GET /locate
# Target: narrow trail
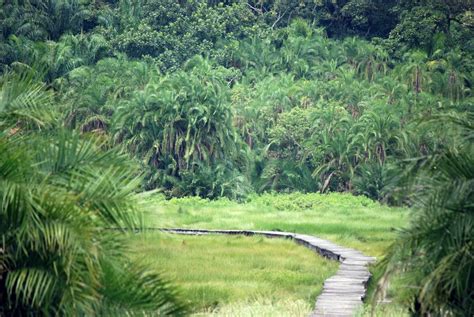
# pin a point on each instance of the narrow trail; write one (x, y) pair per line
(343, 292)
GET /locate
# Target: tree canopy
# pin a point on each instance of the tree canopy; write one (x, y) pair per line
(102, 99)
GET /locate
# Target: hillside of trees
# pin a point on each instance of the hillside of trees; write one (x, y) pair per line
(103, 100)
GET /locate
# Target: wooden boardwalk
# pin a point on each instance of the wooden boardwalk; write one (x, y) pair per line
(342, 293)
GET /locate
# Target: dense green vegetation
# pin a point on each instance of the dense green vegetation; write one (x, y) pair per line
(100, 100)
(58, 192)
(441, 267)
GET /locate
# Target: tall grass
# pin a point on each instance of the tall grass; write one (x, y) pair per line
(352, 221)
(254, 276)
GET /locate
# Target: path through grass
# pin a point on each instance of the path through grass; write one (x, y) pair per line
(351, 221)
(221, 274)
(253, 276)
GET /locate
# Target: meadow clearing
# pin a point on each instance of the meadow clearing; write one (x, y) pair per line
(256, 276)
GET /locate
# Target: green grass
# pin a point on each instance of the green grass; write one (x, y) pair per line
(351, 221)
(220, 275)
(232, 276)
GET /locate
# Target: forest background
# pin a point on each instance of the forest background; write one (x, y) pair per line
(231, 99)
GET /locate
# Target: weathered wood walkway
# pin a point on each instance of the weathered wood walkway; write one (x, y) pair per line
(342, 293)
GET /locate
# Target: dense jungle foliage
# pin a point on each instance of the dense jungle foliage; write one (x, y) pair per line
(102, 99)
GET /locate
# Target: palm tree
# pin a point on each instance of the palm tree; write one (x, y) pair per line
(49, 19)
(93, 92)
(286, 175)
(257, 107)
(415, 75)
(368, 60)
(57, 258)
(181, 119)
(59, 193)
(450, 76)
(435, 251)
(54, 59)
(378, 135)
(25, 103)
(336, 150)
(255, 53)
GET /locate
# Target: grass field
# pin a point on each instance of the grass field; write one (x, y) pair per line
(351, 221)
(255, 276)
